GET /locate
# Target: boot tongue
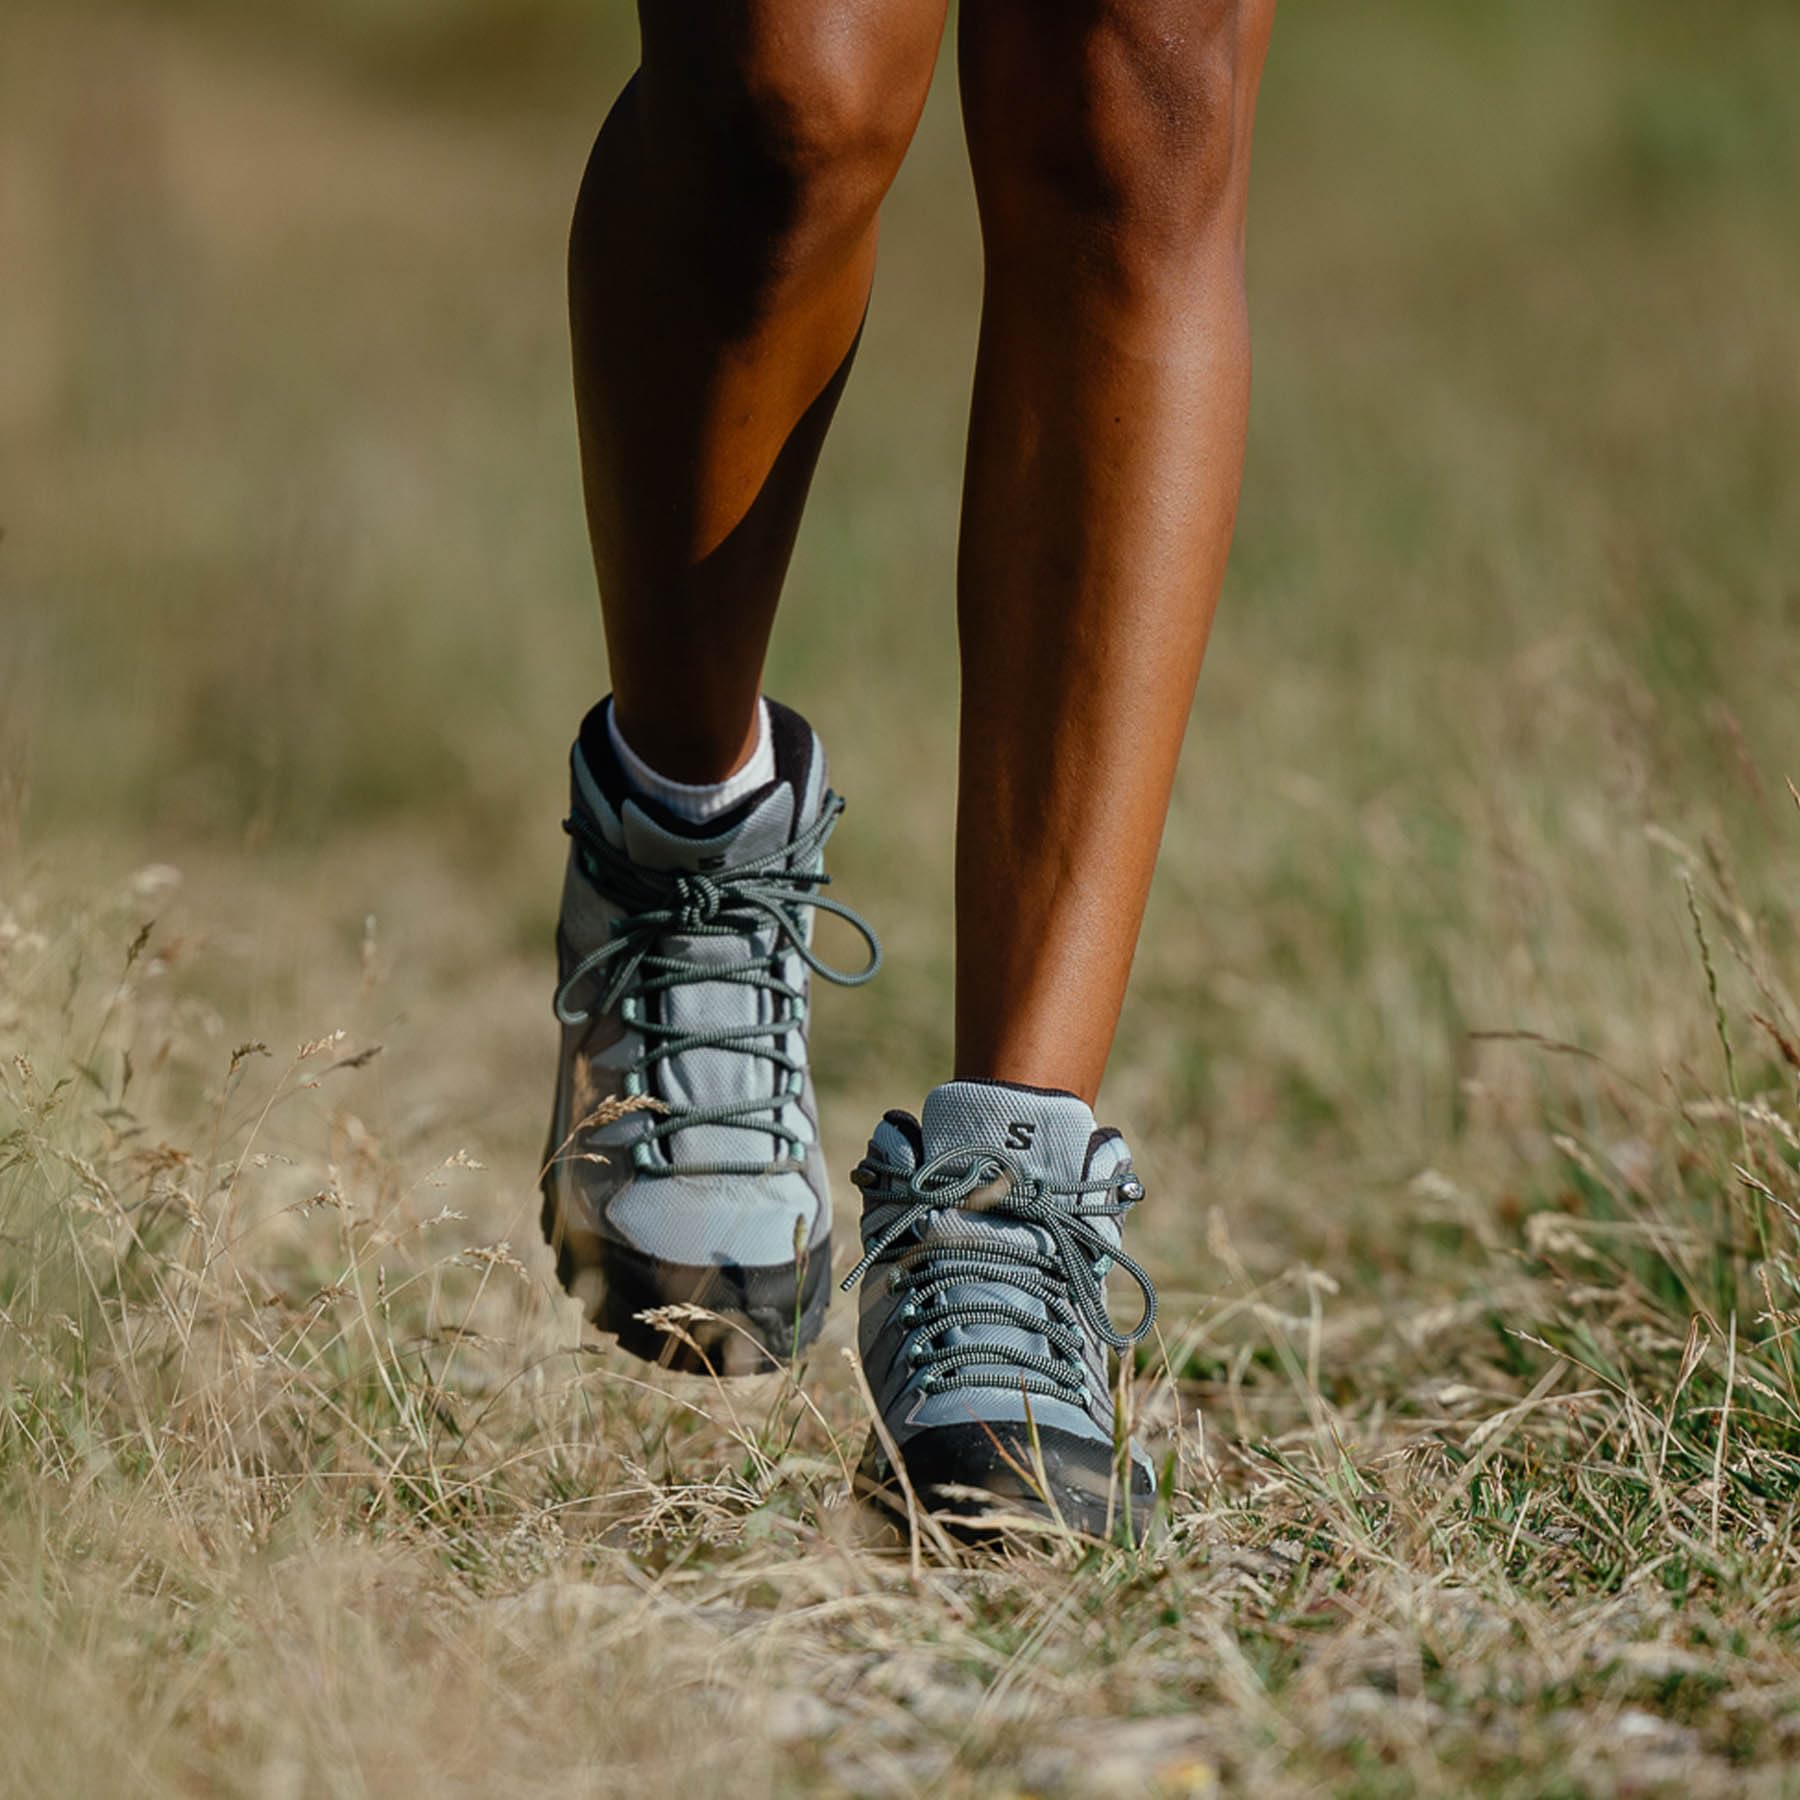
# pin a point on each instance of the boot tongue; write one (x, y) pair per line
(1045, 1133)
(765, 826)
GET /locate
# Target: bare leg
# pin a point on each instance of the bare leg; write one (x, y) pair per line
(719, 266)
(1110, 141)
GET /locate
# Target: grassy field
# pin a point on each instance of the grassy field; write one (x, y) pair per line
(1459, 1054)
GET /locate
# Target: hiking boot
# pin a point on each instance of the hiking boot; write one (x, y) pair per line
(684, 952)
(988, 1227)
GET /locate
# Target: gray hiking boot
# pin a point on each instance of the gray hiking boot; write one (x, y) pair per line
(988, 1227)
(684, 953)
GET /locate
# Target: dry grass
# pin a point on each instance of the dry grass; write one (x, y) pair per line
(309, 1482)
(1461, 1054)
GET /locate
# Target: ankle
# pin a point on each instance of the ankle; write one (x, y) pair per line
(696, 800)
(686, 750)
(1070, 1076)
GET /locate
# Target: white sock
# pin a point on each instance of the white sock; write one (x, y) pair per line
(697, 802)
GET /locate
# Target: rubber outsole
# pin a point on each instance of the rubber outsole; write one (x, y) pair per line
(761, 1317)
(984, 1483)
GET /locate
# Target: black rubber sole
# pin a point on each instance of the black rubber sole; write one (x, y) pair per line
(981, 1484)
(763, 1317)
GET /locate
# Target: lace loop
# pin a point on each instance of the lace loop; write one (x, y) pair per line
(696, 901)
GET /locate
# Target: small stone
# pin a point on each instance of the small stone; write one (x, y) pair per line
(793, 1716)
(1649, 1732)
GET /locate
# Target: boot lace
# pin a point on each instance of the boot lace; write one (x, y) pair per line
(769, 892)
(1067, 1278)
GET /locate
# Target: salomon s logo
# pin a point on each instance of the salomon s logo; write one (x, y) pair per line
(1020, 1133)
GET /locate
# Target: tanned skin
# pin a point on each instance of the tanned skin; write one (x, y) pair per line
(720, 266)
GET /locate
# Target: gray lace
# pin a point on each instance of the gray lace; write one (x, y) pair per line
(764, 892)
(1067, 1279)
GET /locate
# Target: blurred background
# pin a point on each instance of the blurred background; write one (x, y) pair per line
(295, 600)
(307, 1482)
